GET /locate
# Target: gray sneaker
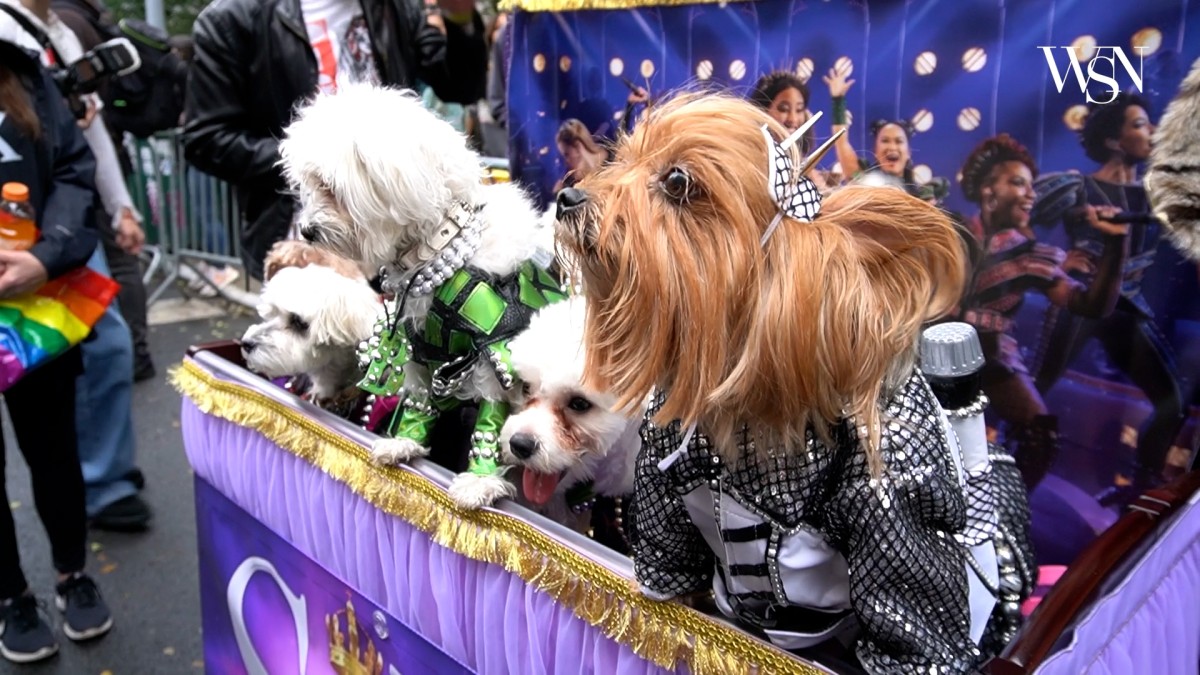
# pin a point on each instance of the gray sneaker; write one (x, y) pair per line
(85, 616)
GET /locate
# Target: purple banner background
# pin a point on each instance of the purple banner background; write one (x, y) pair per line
(228, 536)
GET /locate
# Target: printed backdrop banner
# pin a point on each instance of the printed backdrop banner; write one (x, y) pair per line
(960, 71)
(268, 608)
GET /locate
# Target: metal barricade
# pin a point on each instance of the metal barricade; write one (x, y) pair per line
(192, 220)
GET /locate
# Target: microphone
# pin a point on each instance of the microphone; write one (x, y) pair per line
(1131, 217)
(952, 361)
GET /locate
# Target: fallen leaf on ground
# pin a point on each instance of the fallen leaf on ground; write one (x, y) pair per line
(197, 664)
(97, 547)
(169, 651)
(14, 505)
(106, 672)
(108, 569)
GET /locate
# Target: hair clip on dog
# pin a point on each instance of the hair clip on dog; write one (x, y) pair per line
(797, 196)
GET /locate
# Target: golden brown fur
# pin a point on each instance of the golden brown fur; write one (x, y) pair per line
(809, 329)
(295, 253)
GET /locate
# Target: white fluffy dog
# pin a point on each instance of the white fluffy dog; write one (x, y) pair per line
(571, 443)
(313, 319)
(385, 182)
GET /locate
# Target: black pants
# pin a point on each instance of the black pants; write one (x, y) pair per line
(1135, 345)
(42, 405)
(127, 271)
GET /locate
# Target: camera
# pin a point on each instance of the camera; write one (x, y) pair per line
(113, 58)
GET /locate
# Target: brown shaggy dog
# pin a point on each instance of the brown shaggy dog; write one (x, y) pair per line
(295, 253)
(814, 326)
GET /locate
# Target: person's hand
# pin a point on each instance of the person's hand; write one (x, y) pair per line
(20, 273)
(1078, 262)
(90, 115)
(435, 19)
(1094, 216)
(638, 97)
(130, 235)
(838, 84)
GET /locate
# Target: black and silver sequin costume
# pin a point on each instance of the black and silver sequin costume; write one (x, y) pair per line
(811, 546)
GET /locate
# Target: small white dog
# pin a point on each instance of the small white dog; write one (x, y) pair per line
(313, 319)
(387, 183)
(571, 443)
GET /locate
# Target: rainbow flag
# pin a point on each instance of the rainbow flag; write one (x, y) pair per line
(37, 327)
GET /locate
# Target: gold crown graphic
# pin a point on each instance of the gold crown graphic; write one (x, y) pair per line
(347, 655)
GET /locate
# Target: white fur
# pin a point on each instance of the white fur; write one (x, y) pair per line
(548, 357)
(376, 173)
(340, 313)
(472, 491)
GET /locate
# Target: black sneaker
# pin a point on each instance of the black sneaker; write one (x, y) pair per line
(127, 514)
(24, 637)
(85, 616)
(144, 370)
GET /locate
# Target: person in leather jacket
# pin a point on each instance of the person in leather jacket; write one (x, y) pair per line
(256, 60)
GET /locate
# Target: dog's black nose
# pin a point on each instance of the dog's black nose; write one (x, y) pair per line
(248, 346)
(311, 234)
(523, 445)
(570, 199)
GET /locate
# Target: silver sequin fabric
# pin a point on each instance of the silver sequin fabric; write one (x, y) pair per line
(907, 573)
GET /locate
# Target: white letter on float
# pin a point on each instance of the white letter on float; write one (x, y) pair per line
(235, 595)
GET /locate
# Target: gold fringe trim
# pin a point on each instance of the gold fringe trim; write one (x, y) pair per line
(575, 5)
(662, 632)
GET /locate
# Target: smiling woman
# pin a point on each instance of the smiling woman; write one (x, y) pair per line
(785, 98)
(998, 177)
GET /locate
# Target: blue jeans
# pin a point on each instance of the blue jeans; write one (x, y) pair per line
(104, 406)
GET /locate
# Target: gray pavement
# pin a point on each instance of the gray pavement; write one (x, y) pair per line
(149, 579)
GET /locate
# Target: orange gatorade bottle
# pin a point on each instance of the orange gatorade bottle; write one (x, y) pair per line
(18, 229)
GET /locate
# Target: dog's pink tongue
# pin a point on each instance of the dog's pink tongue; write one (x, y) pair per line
(539, 487)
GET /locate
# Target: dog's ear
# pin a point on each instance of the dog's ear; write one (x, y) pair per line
(877, 265)
(348, 314)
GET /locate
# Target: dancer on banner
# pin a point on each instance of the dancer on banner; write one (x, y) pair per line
(892, 149)
(582, 151)
(1117, 136)
(998, 177)
(785, 97)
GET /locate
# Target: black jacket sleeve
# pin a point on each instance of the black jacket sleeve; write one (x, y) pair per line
(215, 139)
(454, 66)
(68, 223)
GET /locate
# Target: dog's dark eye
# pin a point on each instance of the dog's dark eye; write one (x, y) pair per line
(579, 404)
(677, 184)
(526, 390)
(297, 324)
